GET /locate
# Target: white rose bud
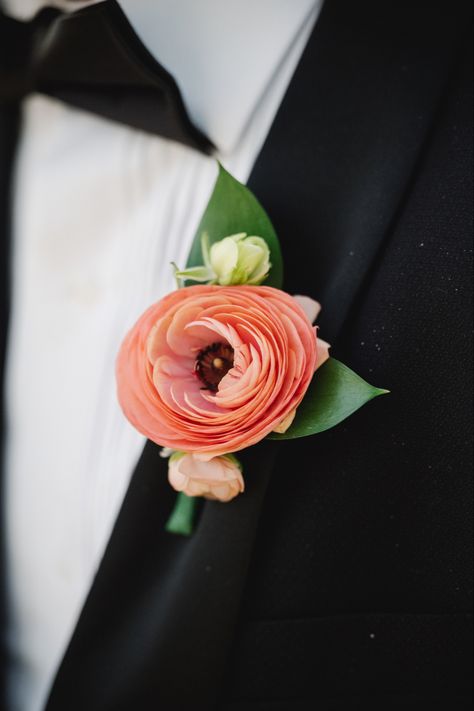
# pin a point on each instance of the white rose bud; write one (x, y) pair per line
(239, 259)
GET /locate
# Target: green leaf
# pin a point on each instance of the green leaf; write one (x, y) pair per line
(232, 208)
(181, 520)
(334, 394)
(202, 274)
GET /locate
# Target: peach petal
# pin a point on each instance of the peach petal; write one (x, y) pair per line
(286, 423)
(275, 354)
(177, 479)
(179, 339)
(217, 478)
(311, 307)
(322, 352)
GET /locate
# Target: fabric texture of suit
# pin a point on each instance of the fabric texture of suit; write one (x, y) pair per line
(341, 579)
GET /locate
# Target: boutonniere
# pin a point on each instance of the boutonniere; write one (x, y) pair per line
(229, 358)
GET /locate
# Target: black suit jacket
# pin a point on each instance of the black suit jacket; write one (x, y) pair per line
(341, 579)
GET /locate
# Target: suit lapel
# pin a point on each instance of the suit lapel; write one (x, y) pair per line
(157, 625)
(344, 147)
(162, 602)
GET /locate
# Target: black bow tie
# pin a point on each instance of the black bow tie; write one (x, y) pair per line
(93, 59)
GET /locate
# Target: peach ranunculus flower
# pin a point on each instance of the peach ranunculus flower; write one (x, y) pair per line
(211, 370)
(220, 478)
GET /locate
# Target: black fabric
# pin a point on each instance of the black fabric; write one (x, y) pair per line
(405, 702)
(341, 579)
(93, 59)
(338, 658)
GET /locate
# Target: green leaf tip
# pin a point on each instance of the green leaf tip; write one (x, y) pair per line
(233, 209)
(335, 393)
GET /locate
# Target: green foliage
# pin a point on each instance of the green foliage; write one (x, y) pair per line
(233, 209)
(334, 394)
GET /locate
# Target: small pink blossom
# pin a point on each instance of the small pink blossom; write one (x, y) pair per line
(312, 310)
(219, 478)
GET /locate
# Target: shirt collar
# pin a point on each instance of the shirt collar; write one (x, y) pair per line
(223, 55)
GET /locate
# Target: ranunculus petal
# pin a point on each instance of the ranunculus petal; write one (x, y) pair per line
(275, 353)
(322, 352)
(285, 424)
(311, 307)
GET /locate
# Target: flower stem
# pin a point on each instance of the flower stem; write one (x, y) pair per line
(181, 519)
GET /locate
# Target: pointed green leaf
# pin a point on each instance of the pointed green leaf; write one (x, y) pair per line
(232, 209)
(334, 394)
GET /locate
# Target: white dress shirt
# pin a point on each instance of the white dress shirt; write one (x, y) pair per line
(100, 212)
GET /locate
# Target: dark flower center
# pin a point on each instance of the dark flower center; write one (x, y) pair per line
(213, 363)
